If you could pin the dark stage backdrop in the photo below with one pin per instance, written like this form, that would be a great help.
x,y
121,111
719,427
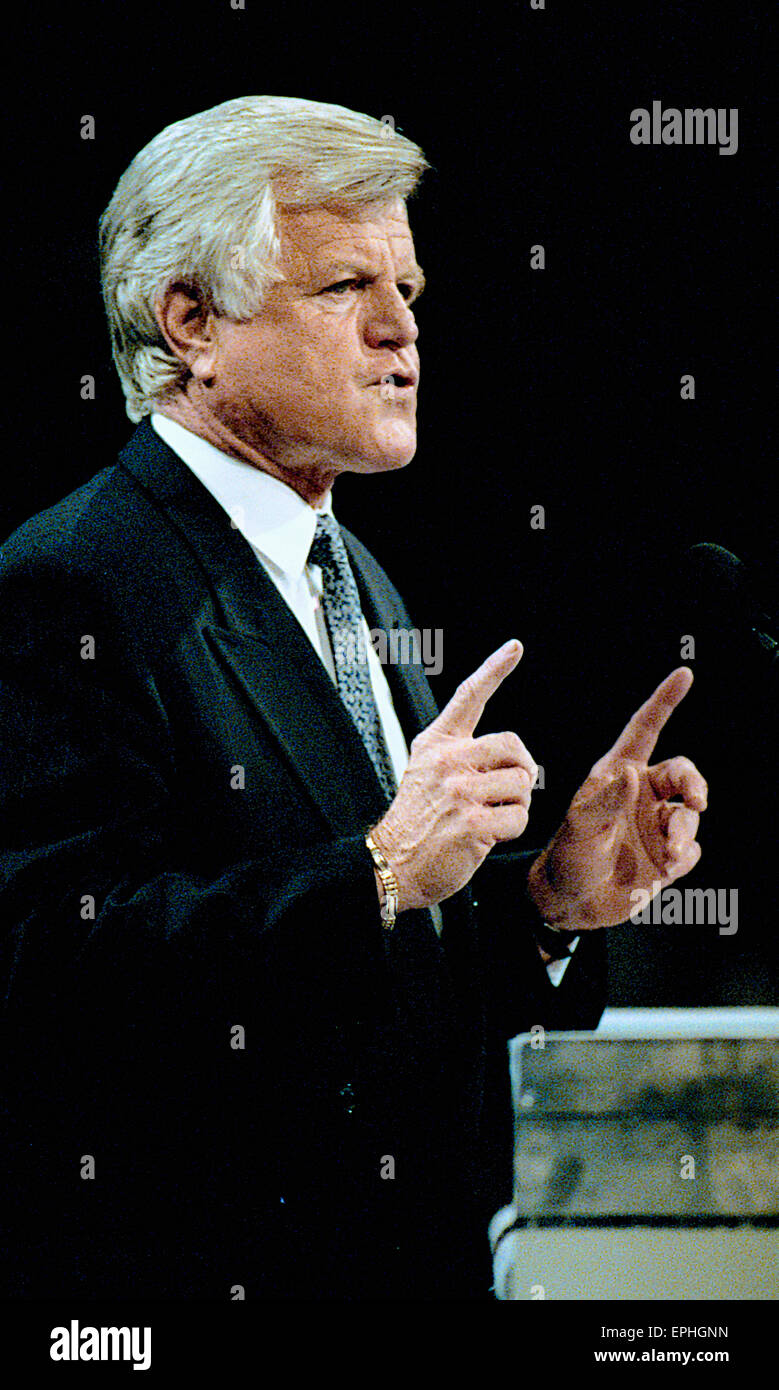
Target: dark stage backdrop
x,y
558,387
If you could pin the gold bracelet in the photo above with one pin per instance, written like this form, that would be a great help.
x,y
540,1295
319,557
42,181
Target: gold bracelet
x,y
389,908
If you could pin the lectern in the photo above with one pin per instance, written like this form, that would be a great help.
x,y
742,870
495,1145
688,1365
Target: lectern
x,y
646,1160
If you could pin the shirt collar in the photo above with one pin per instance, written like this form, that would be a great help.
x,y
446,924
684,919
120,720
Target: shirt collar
x,y
275,519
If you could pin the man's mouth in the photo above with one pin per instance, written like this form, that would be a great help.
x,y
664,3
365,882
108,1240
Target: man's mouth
x,y
398,381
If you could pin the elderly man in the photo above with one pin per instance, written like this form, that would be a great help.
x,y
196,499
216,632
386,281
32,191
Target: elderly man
x,y
268,939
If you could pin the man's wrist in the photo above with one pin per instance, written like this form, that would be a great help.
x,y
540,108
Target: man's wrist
x,y
554,941
545,895
387,884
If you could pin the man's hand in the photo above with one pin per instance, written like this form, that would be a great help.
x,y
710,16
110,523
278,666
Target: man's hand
x,y
628,827
459,796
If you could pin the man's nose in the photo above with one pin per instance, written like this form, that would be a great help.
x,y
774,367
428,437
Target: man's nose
x,y
390,320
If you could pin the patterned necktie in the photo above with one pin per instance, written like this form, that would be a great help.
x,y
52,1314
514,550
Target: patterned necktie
x,y
343,615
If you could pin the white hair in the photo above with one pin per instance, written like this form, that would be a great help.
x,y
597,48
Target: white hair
x,y
198,204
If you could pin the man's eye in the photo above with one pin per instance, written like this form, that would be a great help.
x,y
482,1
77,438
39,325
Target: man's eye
x,y
408,291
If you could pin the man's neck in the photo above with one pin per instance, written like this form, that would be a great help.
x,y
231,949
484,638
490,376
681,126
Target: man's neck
x,y
312,486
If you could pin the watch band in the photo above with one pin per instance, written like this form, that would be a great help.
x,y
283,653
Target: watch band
x,y
389,908
554,942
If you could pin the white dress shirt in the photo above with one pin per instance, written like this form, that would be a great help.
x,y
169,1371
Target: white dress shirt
x,y
279,526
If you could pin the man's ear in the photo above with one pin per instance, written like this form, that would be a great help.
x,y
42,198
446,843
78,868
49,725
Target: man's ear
x,y
187,325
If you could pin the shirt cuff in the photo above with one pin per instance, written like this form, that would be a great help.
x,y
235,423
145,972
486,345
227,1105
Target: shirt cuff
x,y
556,968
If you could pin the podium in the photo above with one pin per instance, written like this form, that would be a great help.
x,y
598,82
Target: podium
x,y
646,1160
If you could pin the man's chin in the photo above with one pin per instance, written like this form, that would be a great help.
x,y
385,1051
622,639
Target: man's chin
x,y
390,453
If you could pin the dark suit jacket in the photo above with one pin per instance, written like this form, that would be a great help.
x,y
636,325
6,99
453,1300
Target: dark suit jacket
x,y
184,803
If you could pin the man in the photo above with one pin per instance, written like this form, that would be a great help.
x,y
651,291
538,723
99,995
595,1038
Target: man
x,y
267,942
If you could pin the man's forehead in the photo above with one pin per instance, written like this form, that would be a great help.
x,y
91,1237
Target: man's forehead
x,y
319,235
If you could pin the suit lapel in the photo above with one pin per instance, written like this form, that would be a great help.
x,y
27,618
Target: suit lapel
x,y
261,642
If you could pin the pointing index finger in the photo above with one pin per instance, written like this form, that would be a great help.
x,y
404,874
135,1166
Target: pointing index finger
x,y
640,734
468,703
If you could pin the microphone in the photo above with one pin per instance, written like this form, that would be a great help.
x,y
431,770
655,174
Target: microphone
x,y
722,591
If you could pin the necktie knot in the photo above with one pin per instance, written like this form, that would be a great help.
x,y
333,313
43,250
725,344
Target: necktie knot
x,y
327,547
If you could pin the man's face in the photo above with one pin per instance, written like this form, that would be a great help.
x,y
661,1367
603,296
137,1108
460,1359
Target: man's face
x,y
324,379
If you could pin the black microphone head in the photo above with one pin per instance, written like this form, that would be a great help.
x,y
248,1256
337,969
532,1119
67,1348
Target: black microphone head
x,y
718,594
717,582
709,559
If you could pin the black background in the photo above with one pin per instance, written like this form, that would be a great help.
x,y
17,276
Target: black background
x,y
559,388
